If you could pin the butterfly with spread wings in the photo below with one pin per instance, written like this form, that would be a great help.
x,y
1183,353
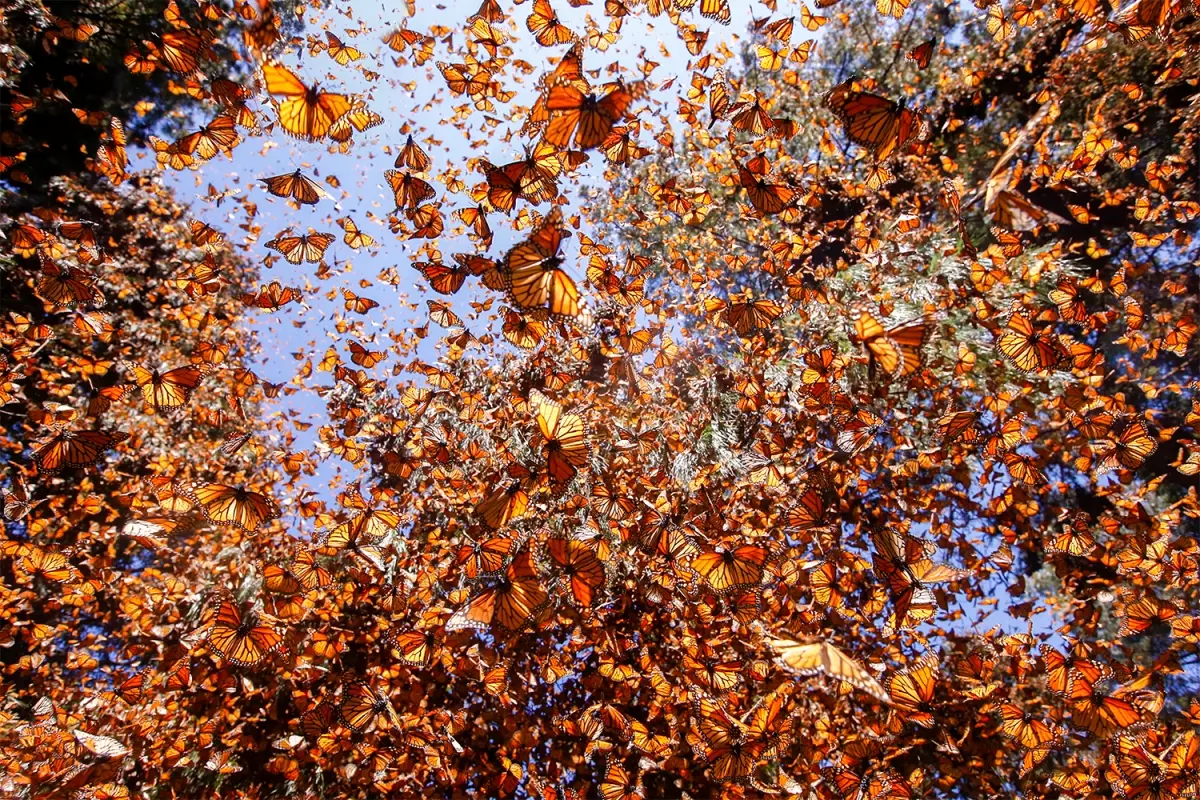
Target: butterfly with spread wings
x,y
817,656
879,125
240,638
564,439
163,391
309,247
584,116
508,603
912,691
236,505
68,449
295,185
361,705
895,350
721,742
304,112
533,272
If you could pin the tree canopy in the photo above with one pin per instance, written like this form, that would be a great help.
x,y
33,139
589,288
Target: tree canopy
x,y
705,399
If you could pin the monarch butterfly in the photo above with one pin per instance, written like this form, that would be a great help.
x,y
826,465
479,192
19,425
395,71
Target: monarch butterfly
x,y
727,569
402,38
272,296
896,350
814,656
1023,726
1024,469
441,314
364,357
1004,436
905,561
751,116
525,330
486,557
580,566
67,286
218,136
16,499
585,117
181,50
1097,711
240,639
621,147
858,431
306,112
464,79
564,439
354,238
721,97
357,303
338,50
111,157
358,534
24,239
1066,296
617,784
205,235
712,672
278,580
533,271
167,390
1075,538
543,23
305,569
710,9
476,218
1062,670
1145,18
317,719
487,36
48,565
1026,348
297,186
360,118
1145,776
1127,446
1141,613
417,648
958,426
222,504
297,249
135,687
874,784
510,603
504,185
408,190
922,53
101,747
876,123
69,449
720,741
766,197
535,174
743,313
361,705
770,724
912,690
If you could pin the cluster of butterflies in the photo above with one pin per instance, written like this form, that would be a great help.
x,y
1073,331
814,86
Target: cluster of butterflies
x,y
727,561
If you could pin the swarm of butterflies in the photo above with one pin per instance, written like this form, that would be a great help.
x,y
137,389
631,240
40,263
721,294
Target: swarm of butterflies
x,y
729,480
